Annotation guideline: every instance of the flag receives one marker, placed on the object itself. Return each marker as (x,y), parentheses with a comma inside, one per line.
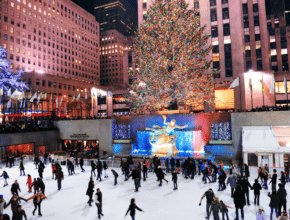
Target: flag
(1,100)
(272,84)
(24,102)
(250,83)
(73,98)
(285,84)
(67,99)
(56,101)
(21,102)
(61,101)
(14,94)
(235,83)
(51,95)
(38,98)
(86,95)
(33,97)
(79,95)
(30,95)
(9,104)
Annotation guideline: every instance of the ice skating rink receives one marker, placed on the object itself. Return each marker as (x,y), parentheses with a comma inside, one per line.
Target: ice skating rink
(158,202)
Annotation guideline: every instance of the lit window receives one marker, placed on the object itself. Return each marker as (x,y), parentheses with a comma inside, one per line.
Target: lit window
(17,49)
(44,12)
(39,10)
(11,47)
(12,4)
(23,51)
(34,7)
(5,46)
(24,10)
(11,30)
(284,51)
(18,7)
(29,5)
(5,28)
(29,53)
(24,2)
(273,52)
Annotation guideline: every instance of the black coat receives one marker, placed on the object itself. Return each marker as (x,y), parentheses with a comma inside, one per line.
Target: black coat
(115,173)
(145,168)
(167,162)
(177,163)
(99,197)
(160,174)
(172,162)
(239,198)
(245,185)
(15,187)
(174,176)
(274,179)
(21,166)
(135,174)
(247,173)
(282,194)
(81,162)
(132,208)
(257,188)
(41,167)
(90,189)
(274,201)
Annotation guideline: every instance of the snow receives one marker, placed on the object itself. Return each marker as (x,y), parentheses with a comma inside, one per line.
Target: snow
(157,202)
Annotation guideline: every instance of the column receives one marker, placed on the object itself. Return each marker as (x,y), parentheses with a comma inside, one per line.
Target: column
(281,165)
(259,160)
(245,158)
(270,160)
(277,160)
(109,104)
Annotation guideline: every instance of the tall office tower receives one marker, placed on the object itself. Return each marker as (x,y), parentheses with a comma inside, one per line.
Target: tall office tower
(56,43)
(115,57)
(239,40)
(278,22)
(118,15)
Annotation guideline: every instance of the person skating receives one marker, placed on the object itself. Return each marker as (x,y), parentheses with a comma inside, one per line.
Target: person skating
(192,169)
(174,179)
(90,190)
(284,216)
(265,177)
(160,175)
(115,175)
(240,201)
(2,204)
(53,169)
(35,185)
(177,166)
(99,169)
(99,202)
(82,164)
(37,199)
(283,178)
(14,202)
(15,188)
(260,214)
(224,210)
(167,165)
(93,168)
(172,164)
(132,209)
(206,174)
(282,194)
(274,204)
(221,179)
(247,172)
(36,161)
(76,162)
(21,167)
(287,170)
(59,177)
(215,208)
(209,194)
(257,188)
(245,188)
(41,169)
(214,172)
(41,185)
(135,176)
(144,170)
(29,183)
(274,180)
(5,177)
(20,213)
(232,180)
(70,167)
(105,167)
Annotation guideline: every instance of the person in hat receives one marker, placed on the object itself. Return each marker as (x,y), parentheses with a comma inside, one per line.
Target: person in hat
(2,204)
(209,194)
(274,202)
(282,194)
(284,216)
(260,214)
(215,208)
(20,213)
(14,202)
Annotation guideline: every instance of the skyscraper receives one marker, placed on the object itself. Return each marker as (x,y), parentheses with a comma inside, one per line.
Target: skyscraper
(118,15)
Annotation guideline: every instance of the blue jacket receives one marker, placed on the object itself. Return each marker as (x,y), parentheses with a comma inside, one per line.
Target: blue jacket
(5,176)
(202,167)
(232,180)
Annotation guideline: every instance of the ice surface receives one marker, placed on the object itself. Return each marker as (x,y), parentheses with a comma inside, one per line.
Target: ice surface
(157,202)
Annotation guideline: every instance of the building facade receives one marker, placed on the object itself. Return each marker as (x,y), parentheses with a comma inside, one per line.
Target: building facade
(115,57)
(118,15)
(57,44)
(239,40)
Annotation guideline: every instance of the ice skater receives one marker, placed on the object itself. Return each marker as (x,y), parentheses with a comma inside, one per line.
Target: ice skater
(90,191)
(135,176)
(174,179)
(160,175)
(5,177)
(20,213)
(105,167)
(35,185)
(41,169)
(209,199)
(53,169)
(115,175)
(99,202)
(2,204)
(59,178)
(99,169)
(21,167)
(132,209)
(37,199)
(93,166)
(14,202)
(82,164)
(29,183)
(145,170)
(15,188)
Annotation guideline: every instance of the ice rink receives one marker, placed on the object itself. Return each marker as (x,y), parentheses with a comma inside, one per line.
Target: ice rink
(157,202)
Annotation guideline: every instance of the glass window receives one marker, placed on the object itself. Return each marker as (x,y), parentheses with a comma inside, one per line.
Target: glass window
(43,82)
(37,82)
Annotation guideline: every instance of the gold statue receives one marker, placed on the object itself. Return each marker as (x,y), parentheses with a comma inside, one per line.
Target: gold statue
(163,144)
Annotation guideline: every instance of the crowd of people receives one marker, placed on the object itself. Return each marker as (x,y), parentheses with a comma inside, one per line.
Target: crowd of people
(210,173)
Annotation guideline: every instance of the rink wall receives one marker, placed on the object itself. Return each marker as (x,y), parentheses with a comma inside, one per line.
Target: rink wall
(99,129)
(238,120)
(38,138)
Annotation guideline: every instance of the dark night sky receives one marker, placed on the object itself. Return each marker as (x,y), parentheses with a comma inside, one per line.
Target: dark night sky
(89,4)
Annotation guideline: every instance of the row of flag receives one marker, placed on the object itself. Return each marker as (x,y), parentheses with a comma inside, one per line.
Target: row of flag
(236,83)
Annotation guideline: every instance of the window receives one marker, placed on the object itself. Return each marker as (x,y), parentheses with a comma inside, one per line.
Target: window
(227,31)
(37,82)
(59,86)
(212,2)
(213,14)
(246,22)
(226,13)
(259,65)
(259,53)
(215,49)
(43,82)
(247,38)
(255,8)
(256,21)
(245,8)
(257,37)
(54,85)
(224,1)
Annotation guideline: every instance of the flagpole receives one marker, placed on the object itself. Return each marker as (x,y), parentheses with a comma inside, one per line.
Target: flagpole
(263,93)
(286,92)
(241,106)
(251,92)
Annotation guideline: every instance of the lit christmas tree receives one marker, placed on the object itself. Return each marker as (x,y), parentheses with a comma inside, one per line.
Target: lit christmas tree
(170,51)
(8,79)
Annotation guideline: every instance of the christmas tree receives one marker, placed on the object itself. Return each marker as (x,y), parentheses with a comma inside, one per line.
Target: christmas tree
(170,51)
(8,79)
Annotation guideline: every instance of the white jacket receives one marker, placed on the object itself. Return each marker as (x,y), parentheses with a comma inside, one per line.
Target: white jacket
(2,206)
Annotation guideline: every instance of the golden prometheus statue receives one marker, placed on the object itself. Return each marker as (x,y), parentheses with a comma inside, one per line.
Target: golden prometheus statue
(162,142)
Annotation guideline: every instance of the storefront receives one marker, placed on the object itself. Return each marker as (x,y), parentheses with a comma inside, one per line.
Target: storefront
(89,147)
